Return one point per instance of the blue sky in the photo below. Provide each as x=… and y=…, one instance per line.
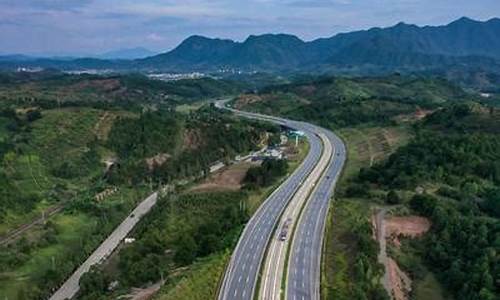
x=61, y=27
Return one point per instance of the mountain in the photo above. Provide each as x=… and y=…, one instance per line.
x=128, y=53
x=271, y=51
x=464, y=44
x=461, y=42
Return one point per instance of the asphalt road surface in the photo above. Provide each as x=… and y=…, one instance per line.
x=303, y=276
x=304, y=265
x=242, y=272
x=274, y=265
x=69, y=289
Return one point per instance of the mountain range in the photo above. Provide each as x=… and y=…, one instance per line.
x=464, y=42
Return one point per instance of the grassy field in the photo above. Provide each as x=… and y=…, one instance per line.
x=189, y=107
x=367, y=145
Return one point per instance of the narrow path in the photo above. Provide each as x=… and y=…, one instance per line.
x=382, y=255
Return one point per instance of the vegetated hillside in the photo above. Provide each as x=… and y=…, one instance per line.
x=341, y=102
x=465, y=42
x=454, y=157
x=54, y=89
x=84, y=168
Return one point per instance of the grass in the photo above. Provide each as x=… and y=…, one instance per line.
x=76, y=234
x=200, y=282
x=340, y=248
x=368, y=145
x=190, y=107
x=69, y=228
x=428, y=288
x=60, y=135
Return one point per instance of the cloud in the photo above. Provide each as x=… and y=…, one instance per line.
x=319, y=3
x=155, y=37
x=102, y=25
x=58, y=5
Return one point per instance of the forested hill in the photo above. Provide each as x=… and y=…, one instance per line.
x=465, y=43
x=455, y=159
x=402, y=45
x=341, y=102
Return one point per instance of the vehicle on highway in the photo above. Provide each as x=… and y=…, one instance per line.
x=284, y=229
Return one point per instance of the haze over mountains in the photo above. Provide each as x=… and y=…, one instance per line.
x=465, y=42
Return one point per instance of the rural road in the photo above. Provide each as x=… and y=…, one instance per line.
x=242, y=272
x=69, y=289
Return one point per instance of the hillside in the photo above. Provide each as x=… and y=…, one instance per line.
x=72, y=170
x=462, y=43
x=418, y=147
x=341, y=102
x=449, y=173
x=51, y=88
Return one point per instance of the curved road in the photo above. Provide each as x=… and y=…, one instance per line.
x=304, y=266
x=277, y=253
x=242, y=273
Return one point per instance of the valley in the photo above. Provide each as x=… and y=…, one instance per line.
x=159, y=151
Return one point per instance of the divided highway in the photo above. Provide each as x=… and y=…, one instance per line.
x=326, y=157
x=304, y=264
x=274, y=265
x=242, y=271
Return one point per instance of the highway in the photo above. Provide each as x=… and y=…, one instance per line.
x=303, y=275
x=274, y=265
x=304, y=265
x=242, y=272
x=69, y=289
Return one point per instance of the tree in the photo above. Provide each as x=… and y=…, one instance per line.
x=186, y=249
x=393, y=198
x=424, y=204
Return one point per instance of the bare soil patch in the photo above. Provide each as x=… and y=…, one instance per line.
x=157, y=160
x=395, y=281
x=228, y=179
x=192, y=139
x=411, y=226
x=145, y=293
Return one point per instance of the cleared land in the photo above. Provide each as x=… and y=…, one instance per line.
x=228, y=179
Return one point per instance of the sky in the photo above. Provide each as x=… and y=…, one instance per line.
x=85, y=27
